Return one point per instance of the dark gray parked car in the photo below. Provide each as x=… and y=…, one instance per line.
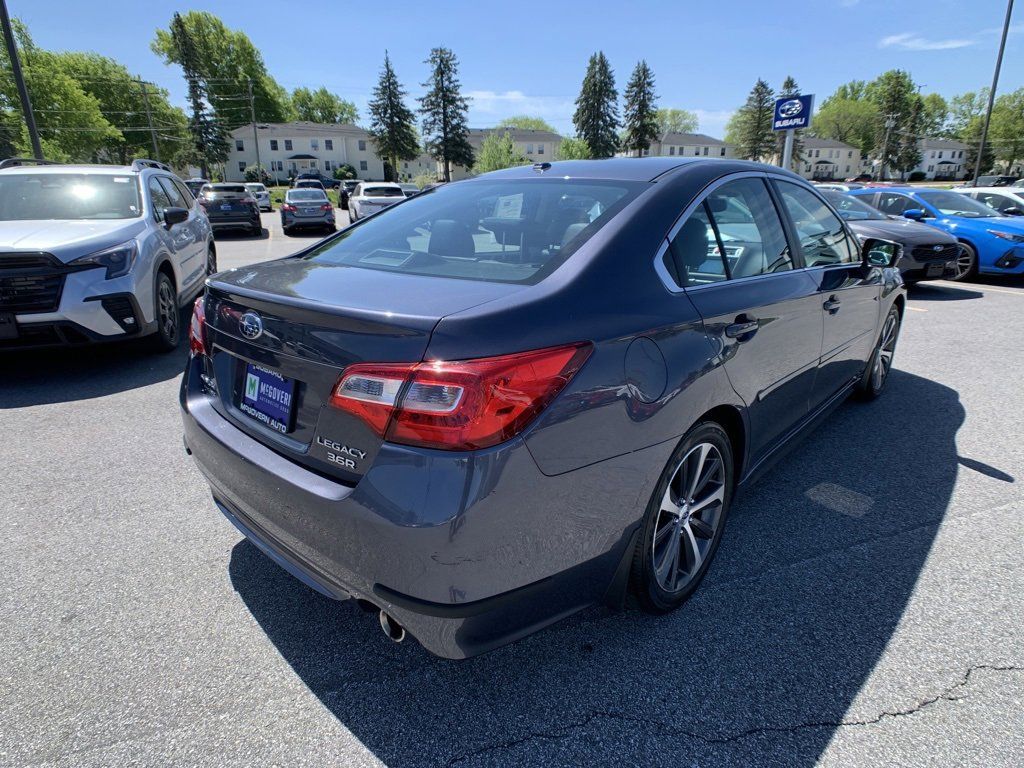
x=539, y=389
x=231, y=206
x=928, y=253
x=304, y=208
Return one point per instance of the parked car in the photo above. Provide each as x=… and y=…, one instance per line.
x=410, y=189
x=304, y=208
x=231, y=206
x=990, y=243
x=261, y=195
x=345, y=190
x=477, y=422
x=861, y=178
x=1009, y=201
x=328, y=182
x=993, y=181
x=845, y=186
x=92, y=253
x=372, y=196
x=928, y=253
x=195, y=185
x=308, y=184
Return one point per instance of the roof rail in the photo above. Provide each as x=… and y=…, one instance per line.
x=10, y=162
x=143, y=162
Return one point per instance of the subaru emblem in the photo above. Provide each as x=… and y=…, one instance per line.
x=250, y=325
x=791, y=108
x=936, y=248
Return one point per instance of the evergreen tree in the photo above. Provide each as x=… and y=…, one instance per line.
x=391, y=122
x=498, y=151
x=209, y=140
x=444, y=113
x=789, y=90
x=750, y=129
x=597, y=113
x=640, y=114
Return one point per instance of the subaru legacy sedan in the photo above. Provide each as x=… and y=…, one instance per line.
x=533, y=391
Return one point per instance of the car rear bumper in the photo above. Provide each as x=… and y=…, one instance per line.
x=246, y=221
x=308, y=221
x=468, y=551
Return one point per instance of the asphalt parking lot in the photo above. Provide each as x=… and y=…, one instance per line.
x=865, y=608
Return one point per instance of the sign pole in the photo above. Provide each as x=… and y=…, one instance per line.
x=787, y=150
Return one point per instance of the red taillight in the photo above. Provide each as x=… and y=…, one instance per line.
x=461, y=405
x=197, y=328
x=287, y=207
x=326, y=207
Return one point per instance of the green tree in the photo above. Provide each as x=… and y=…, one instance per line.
x=1007, y=128
x=422, y=179
x=597, y=112
x=526, y=123
x=750, y=127
x=789, y=90
x=443, y=108
x=851, y=121
x=322, y=106
x=226, y=61
x=498, y=151
x=675, y=121
x=573, y=149
x=908, y=152
x=392, y=124
x=934, y=115
x=209, y=138
x=895, y=94
x=640, y=114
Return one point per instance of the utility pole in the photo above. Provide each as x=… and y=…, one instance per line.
x=149, y=118
x=255, y=133
x=992, y=93
x=890, y=123
x=19, y=79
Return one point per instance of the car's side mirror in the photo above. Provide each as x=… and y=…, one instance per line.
x=876, y=252
x=174, y=216
x=913, y=213
x=1013, y=211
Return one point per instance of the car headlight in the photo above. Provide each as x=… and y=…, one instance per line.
x=118, y=260
x=1013, y=238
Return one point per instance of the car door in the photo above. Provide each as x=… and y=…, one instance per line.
x=731, y=255
x=188, y=236
x=1000, y=202
x=848, y=292
x=175, y=242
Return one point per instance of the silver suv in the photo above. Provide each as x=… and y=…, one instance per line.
x=97, y=252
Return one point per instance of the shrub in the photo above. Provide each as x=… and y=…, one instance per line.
x=917, y=176
x=255, y=175
x=344, y=171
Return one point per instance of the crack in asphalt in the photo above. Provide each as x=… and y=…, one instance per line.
x=565, y=731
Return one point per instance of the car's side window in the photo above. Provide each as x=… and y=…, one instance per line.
x=177, y=201
x=893, y=204
x=823, y=238
x=748, y=226
x=186, y=195
x=694, y=256
x=999, y=202
x=159, y=198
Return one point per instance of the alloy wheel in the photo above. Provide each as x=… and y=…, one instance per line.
x=690, y=514
x=886, y=350
x=168, y=311
x=211, y=262
x=964, y=263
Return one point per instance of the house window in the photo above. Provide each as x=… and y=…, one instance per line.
x=696, y=150
x=940, y=155
x=705, y=151
x=540, y=149
x=671, y=150
x=329, y=144
x=288, y=145
x=722, y=153
x=847, y=169
x=362, y=163
x=362, y=147
x=529, y=149
x=406, y=166
x=273, y=145
x=327, y=165
x=807, y=168
x=239, y=146
x=276, y=165
x=241, y=166
x=314, y=143
x=849, y=154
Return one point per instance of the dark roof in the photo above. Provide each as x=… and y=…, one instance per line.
x=517, y=134
x=623, y=168
x=813, y=142
x=301, y=156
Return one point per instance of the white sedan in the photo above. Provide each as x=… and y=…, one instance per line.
x=1006, y=200
x=371, y=196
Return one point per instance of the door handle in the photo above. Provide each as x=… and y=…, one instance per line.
x=832, y=305
x=742, y=329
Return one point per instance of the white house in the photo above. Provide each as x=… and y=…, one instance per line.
x=536, y=146
x=827, y=159
x=942, y=159
x=689, y=145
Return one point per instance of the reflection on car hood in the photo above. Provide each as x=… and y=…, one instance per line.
x=66, y=239
x=901, y=230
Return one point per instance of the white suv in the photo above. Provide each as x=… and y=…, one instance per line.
x=97, y=252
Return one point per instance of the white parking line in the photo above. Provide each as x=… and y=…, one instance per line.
x=917, y=309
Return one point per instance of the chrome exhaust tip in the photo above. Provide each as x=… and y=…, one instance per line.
x=394, y=630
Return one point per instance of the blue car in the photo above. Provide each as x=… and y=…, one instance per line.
x=992, y=244
x=505, y=399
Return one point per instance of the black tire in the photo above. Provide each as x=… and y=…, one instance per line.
x=662, y=589
x=257, y=231
x=872, y=382
x=286, y=230
x=168, y=315
x=211, y=260
x=966, y=265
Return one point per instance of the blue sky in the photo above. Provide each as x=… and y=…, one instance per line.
x=521, y=56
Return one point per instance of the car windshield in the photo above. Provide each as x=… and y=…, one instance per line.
x=383, y=192
x=68, y=196
x=256, y=187
x=306, y=196
x=512, y=231
x=225, y=190
x=850, y=208
x=955, y=204
x=308, y=183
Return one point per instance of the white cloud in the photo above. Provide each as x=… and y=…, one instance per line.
x=506, y=103
x=911, y=41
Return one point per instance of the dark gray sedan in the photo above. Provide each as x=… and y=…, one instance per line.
x=306, y=208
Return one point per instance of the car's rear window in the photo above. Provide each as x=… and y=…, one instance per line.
x=512, y=231
x=227, y=190
x=38, y=196
x=305, y=195
x=383, y=192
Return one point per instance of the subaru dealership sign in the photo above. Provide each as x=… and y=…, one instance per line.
x=793, y=112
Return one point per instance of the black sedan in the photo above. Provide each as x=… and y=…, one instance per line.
x=928, y=253
x=231, y=206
